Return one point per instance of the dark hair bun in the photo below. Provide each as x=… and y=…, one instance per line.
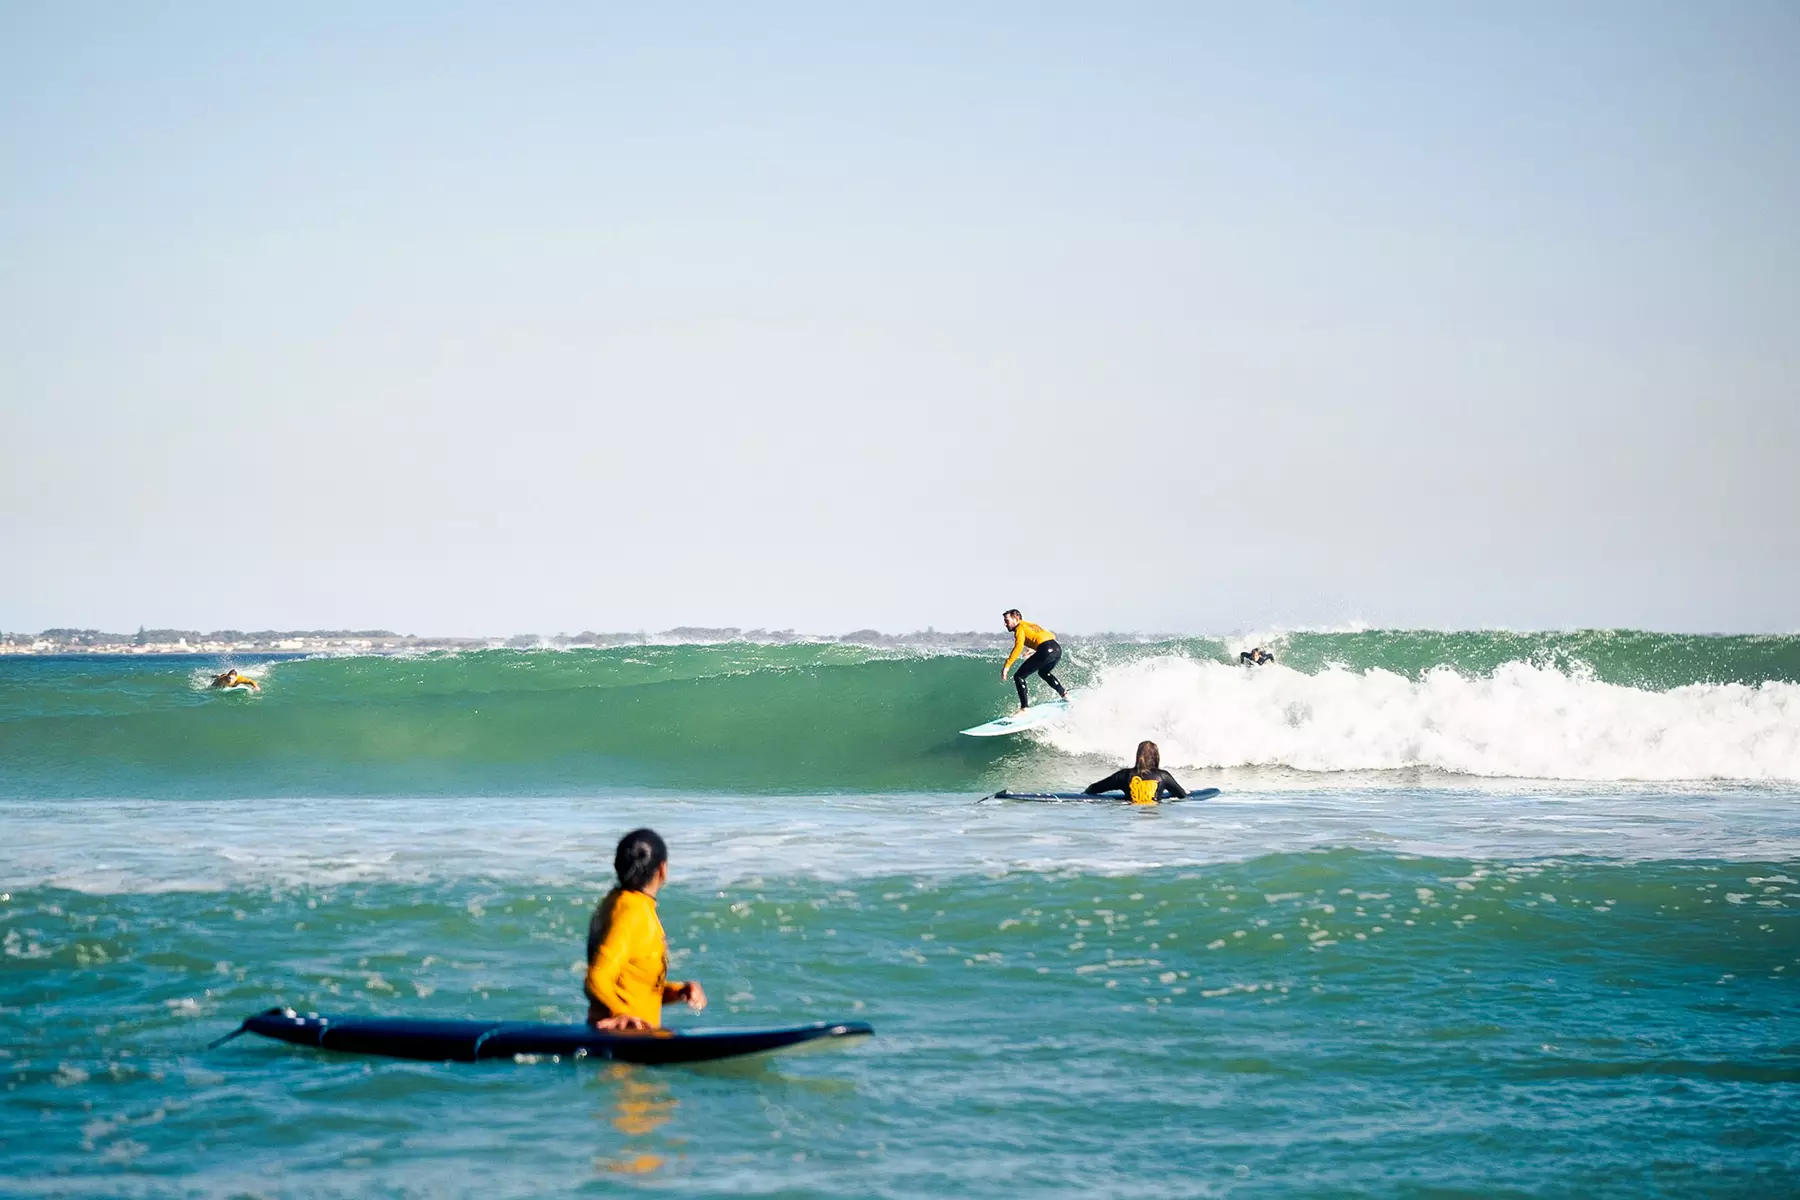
x=640, y=855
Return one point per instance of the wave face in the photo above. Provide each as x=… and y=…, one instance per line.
x=827, y=717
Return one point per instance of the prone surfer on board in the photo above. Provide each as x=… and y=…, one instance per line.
x=231, y=679
x=1045, y=654
x=1255, y=657
x=628, y=957
x=1144, y=783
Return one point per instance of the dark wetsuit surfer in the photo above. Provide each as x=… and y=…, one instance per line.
x=1255, y=657
x=1145, y=783
x=1045, y=654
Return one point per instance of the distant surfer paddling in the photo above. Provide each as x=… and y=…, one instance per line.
x=627, y=954
x=231, y=679
x=1144, y=783
x=1045, y=654
x=1255, y=657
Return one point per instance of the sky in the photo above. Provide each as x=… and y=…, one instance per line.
x=490, y=319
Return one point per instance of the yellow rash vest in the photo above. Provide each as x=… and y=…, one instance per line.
x=628, y=958
x=1026, y=636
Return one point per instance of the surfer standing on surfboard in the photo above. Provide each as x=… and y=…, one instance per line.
x=1045, y=654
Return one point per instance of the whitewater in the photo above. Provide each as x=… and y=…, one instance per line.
x=1519, y=721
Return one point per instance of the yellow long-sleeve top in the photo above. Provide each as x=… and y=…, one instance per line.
x=628, y=958
x=1026, y=635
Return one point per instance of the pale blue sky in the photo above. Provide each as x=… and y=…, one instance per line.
x=1177, y=317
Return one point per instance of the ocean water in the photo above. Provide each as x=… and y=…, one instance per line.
x=1477, y=914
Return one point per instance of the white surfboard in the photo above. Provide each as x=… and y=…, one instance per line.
x=1031, y=718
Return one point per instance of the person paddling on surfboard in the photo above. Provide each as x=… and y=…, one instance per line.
x=1142, y=784
x=1045, y=654
x=231, y=679
x=628, y=957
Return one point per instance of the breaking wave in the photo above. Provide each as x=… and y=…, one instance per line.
x=817, y=717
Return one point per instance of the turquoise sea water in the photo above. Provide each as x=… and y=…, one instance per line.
x=1476, y=914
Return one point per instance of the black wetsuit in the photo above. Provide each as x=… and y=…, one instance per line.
x=1255, y=658
x=1041, y=662
x=1120, y=781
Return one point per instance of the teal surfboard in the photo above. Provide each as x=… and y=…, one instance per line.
x=1031, y=718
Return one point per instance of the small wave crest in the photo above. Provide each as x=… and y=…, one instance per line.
x=1519, y=721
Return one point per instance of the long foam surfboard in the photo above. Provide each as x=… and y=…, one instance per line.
x=471, y=1041
x=1066, y=797
x=1037, y=714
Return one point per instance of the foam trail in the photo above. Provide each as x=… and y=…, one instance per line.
x=1522, y=721
x=121, y=847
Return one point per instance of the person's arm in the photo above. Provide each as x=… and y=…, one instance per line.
x=1116, y=782
x=608, y=964
x=689, y=990
x=1018, y=649
x=1169, y=785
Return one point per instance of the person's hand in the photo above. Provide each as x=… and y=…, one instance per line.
x=623, y=1023
x=1003, y=672
x=693, y=993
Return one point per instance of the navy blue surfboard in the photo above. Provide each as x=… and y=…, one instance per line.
x=1165, y=798
x=470, y=1041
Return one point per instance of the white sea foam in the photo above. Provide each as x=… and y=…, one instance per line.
x=1523, y=721
x=117, y=847
x=200, y=678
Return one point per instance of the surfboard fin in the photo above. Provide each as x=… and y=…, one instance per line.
x=243, y=1029
x=238, y=1032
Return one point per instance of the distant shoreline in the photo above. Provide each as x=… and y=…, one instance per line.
x=159, y=642
x=352, y=642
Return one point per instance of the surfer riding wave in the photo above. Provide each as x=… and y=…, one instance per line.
x=1045, y=654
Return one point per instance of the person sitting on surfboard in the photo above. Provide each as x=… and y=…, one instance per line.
x=1045, y=654
x=628, y=957
x=231, y=678
x=1142, y=784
